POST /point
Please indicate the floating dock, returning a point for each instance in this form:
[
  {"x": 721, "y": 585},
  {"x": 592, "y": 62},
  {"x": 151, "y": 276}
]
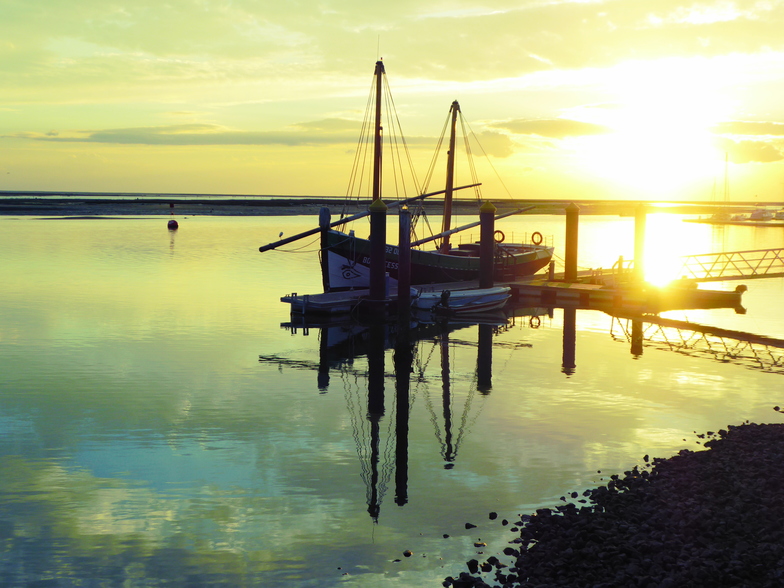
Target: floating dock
[{"x": 539, "y": 290}]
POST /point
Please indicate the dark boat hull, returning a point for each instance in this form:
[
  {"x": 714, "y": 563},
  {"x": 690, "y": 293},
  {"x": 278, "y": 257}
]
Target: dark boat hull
[{"x": 348, "y": 262}]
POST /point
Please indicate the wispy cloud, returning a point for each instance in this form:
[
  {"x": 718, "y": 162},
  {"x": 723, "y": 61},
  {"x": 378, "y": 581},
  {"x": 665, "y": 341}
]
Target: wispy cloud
[
  {"x": 752, "y": 151},
  {"x": 741, "y": 127},
  {"x": 557, "y": 128},
  {"x": 324, "y": 132}
]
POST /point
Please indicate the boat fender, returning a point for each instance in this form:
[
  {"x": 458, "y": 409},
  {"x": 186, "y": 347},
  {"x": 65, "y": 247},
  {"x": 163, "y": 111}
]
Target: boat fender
[
  {"x": 536, "y": 238},
  {"x": 498, "y": 236}
]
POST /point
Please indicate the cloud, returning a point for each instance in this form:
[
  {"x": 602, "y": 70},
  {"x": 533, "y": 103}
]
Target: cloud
[
  {"x": 244, "y": 38},
  {"x": 495, "y": 144},
  {"x": 741, "y": 127},
  {"x": 751, "y": 151},
  {"x": 557, "y": 128},
  {"x": 323, "y": 132}
]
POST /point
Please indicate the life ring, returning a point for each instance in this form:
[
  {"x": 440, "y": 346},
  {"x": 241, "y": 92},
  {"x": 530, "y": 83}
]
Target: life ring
[
  {"x": 536, "y": 238},
  {"x": 499, "y": 236},
  {"x": 534, "y": 322}
]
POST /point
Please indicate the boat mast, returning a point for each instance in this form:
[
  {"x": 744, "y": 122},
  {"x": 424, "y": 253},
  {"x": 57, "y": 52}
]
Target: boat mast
[
  {"x": 450, "y": 179},
  {"x": 377, "y": 133}
]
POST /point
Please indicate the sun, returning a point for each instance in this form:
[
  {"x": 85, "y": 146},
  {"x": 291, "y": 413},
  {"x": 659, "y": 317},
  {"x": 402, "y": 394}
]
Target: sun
[{"x": 659, "y": 144}]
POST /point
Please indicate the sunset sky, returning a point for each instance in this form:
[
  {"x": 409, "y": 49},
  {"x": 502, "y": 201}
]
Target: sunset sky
[{"x": 570, "y": 99}]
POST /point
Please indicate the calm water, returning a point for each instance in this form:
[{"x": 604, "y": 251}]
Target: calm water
[{"x": 158, "y": 426}]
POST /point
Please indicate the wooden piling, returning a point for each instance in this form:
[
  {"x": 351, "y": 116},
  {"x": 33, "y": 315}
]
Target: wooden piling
[
  {"x": 486, "y": 244},
  {"x": 640, "y": 216},
  {"x": 570, "y": 248},
  {"x": 324, "y": 220},
  {"x": 404, "y": 262},
  {"x": 378, "y": 244}
]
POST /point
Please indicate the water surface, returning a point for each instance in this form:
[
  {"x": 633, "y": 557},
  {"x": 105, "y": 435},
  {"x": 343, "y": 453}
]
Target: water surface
[{"x": 158, "y": 426}]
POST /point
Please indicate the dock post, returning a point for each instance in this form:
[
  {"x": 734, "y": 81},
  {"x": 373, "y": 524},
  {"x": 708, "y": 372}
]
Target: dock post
[
  {"x": 570, "y": 248},
  {"x": 640, "y": 216},
  {"x": 404, "y": 263},
  {"x": 378, "y": 256},
  {"x": 486, "y": 244},
  {"x": 324, "y": 220}
]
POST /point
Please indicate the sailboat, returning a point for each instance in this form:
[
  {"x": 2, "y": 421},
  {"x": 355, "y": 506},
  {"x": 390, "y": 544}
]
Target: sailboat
[{"x": 345, "y": 257}]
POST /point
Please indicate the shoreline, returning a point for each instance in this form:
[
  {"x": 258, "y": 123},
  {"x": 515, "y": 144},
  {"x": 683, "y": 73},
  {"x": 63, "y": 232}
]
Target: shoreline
[
  {"x": 294, "y": 206},
  {"x": 699, "y": 518}
]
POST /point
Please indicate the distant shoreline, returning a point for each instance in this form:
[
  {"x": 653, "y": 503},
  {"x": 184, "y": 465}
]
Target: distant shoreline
[{"x": 92, "y": 206}]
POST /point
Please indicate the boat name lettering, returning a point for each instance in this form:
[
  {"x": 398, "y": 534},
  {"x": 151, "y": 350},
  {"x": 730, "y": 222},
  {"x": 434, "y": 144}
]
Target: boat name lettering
[{"x": 389, "y": 264}]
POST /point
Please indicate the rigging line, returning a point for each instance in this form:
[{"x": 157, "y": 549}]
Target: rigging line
[
  {"x": 465, "y": 426},
  {"x": 436, "y": 153},
  {"x": 403, "y": 139},
  {"x": 301, "y": 249},
  {"x": 360, "y": 156},
  {"x": 487, "y": 157},
  {"x": 356, "y": 424},
  {"x": 394, "y": 156},
  {"x": 469, "y": 154}
]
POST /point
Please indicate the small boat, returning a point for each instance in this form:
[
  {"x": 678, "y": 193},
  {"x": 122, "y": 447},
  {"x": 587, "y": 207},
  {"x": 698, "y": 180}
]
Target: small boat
[
  {"x": 760, "y": 214},
  {"x": 462, "y": 301}
]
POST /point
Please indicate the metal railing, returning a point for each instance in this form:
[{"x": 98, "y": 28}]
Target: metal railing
[{"x": 758, "y": 263}]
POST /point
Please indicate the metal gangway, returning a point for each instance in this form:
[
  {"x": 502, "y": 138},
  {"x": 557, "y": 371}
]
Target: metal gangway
[
  {"x": 733, "y": 265},
  {"x": 752, "y": 351}
]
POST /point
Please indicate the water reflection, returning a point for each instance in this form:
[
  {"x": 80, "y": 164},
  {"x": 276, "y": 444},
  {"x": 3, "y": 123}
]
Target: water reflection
[
  {"x": 416, "y": 341},
  {"x": 343, "y": 341}
]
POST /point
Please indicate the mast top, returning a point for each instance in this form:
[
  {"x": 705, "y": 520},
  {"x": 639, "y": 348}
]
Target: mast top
[{"x": 379, "y": 67}]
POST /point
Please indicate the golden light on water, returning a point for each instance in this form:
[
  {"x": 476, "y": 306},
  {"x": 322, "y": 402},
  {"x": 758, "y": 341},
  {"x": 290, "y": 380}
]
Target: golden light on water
[{"x": 665, "y": 248}]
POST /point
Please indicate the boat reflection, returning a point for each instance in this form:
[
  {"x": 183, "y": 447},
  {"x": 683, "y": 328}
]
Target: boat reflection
[
  {"x": 414, "y": 339},
  {"x": 380, "y": 421}
]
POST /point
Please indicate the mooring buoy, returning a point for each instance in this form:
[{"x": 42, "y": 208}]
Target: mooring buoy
[{"x": 173, "y": 225}]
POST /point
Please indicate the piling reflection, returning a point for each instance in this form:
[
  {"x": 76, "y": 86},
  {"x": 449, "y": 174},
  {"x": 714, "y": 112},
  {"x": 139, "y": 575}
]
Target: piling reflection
[{"x": 569, "y": 340}]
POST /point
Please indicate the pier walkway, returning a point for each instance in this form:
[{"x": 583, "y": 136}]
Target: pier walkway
[{"x": 733, "y": 265}]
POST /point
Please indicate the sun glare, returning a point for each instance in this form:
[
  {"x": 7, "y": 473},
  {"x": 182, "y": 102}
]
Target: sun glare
[{"x": 659, "y": 141}]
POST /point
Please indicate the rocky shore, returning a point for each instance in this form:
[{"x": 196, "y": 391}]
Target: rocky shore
[{"x": 710, "y": 518}]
